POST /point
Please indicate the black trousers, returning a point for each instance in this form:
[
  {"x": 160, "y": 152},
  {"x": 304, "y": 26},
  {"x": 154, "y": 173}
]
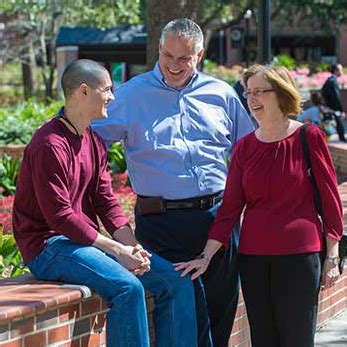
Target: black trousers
[
  {"x": 180, "y": 235},
  {"x": 340, "y": 128},
  {"x": 281, "y": 297}
]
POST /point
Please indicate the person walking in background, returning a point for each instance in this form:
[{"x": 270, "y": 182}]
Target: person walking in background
[
  {"x": 318, "y": 114},
  {"x": 281, "y": 236},
  {"x": 179, "y": 127},
  {"x": 332, "y": 98},
  {"x": 62, "y": 187}
]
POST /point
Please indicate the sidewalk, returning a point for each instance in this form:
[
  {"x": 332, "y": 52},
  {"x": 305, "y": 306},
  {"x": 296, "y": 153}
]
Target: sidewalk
[{"x": 334, "y": 333}]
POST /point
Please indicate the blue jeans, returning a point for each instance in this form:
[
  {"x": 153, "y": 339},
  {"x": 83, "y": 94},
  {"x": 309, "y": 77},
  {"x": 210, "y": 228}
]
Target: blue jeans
[{"x": 127, "y": 326}]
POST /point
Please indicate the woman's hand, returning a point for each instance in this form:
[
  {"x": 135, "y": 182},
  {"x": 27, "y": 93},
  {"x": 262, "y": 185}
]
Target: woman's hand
[
  {"x": 330, "y": 273},
  {"x": 199, "y": 265}
]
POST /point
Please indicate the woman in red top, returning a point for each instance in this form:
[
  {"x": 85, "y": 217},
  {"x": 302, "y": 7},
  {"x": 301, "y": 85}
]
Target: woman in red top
[{"x": 281, "y": 236}]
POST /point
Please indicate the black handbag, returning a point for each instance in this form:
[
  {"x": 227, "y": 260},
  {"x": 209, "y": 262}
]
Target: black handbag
[{"x": 317, "y": 199}]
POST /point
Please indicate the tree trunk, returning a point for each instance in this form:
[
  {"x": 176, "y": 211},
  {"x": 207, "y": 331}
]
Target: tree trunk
[
  {"x": 29, "y": 73},
  {"x": 159, "y": 13}
]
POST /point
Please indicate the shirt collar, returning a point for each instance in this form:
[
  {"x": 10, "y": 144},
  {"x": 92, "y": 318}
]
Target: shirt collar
[
  {"x": 158, "y": 74},
  {"x": 60, "y": 113}
]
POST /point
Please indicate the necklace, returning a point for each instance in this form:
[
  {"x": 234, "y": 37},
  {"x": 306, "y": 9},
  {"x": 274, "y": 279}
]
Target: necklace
[{"x": 67, "y": 120}]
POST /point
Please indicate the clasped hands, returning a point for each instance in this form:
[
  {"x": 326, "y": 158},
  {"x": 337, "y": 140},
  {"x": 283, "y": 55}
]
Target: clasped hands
[{"x": 135, "y": 259}]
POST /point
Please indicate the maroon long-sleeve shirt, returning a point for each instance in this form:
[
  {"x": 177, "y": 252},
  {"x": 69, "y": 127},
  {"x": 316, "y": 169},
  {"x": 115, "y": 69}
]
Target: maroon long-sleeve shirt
[
  {"x": 62, "y": 186},
  {"x": 270, "y": 180}
]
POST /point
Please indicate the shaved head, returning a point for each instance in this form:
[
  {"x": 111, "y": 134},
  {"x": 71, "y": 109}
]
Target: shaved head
[{"x": 82, "y": 71}]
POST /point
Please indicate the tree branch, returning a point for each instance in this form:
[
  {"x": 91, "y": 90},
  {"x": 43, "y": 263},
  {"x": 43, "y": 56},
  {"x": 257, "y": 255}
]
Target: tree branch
[{"x": 249, "y": 5}]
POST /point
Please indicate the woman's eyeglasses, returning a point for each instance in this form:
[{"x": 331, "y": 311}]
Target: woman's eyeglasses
[{"x": 256, "y": 92}]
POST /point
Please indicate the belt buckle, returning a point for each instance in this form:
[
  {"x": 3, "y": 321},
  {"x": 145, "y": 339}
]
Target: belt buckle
[
  {"x": 206, "y": 204},
  {"x": 203, "y": 204}
]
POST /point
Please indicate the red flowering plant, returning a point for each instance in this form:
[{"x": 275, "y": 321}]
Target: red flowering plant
[
  {"x": 124, "y": 194},
  {"x": 120, "y": 180},
  {"x": 6, "y": 203}
]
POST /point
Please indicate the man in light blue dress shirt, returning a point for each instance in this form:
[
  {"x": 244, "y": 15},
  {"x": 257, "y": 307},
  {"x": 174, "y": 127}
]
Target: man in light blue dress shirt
[{"x": 179, "y": 127}]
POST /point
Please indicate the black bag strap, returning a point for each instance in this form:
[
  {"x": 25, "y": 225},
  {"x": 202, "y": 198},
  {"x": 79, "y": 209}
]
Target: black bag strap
[
  {"x": 316, "y": 196},
  {"x": 306, "y": 149}
]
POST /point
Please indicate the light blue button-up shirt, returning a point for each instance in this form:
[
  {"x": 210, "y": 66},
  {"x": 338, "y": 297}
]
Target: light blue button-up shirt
[{"x": 176, "y": 140}]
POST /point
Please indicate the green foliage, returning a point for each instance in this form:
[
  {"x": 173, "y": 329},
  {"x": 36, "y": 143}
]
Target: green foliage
[
  {"x": 9, "y": 169},
  {"x": 209, "y": 65},
  {"x": 34, "y": 25},
  {"x": 79, "y": 12},
  {"x": 10, "y": 257},
  {"x": 284, "y": 60},
  {"x": 116, "y": 158},
  {"x": 20, "y": 121},
  {"x": 324, "y": 15},
  {"x": 229, "y": 75},
  {"x": 322, "y": 66},
  {"x": 102, "y": 14},
  {"x": 11, "y": 73}
]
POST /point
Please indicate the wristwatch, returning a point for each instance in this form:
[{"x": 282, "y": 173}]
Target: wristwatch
[{"x": 333, "y": 259}]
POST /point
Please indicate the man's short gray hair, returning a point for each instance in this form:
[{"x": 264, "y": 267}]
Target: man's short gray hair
[
  {"x": 82, "y": 71},
  {"x": 184, "y": 28}
]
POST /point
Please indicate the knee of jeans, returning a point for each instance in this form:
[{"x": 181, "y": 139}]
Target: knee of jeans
[{"x": 133, "y": 288}]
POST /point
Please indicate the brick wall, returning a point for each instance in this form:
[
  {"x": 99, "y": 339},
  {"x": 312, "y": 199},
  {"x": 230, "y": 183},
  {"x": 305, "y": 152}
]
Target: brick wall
[
  {"x": 75, "y": 324},
  {"x": 338, "y": 152},
  {"x": 35, "y": 313},
  {"x": 31, "y": 315},
  {"x": 333, "y": 301}
]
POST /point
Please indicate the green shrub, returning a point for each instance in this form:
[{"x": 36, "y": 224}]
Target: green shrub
[
  {"x": 9, "y": 169},
  {"x": 19, "y": 122},
  {"x": 10, "y": 257},
  {"x": 209, "y": 65},
  {"x": 229, "y": 75},
  {"x": 10, "y": 95},
  {"x": 322, "y": 66},
  {"x": 284, "y": 60},
  {"x": 116, "y": 158}
]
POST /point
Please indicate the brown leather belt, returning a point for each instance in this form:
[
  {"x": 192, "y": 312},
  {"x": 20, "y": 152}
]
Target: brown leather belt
[{"x": 153, "y": 205}]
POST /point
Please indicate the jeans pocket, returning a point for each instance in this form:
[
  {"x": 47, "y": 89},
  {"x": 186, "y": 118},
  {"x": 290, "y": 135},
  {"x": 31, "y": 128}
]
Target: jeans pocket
[{"x": 41, "y": 264}]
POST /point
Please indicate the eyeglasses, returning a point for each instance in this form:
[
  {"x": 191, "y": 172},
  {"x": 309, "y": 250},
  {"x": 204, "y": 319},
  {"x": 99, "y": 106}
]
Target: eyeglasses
[{"x": 256, "y": 92}]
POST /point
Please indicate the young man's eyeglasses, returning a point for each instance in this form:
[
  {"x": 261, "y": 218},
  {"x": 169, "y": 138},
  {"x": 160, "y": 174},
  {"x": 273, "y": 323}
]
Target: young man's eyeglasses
[{"x": 256, "y": 92}]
